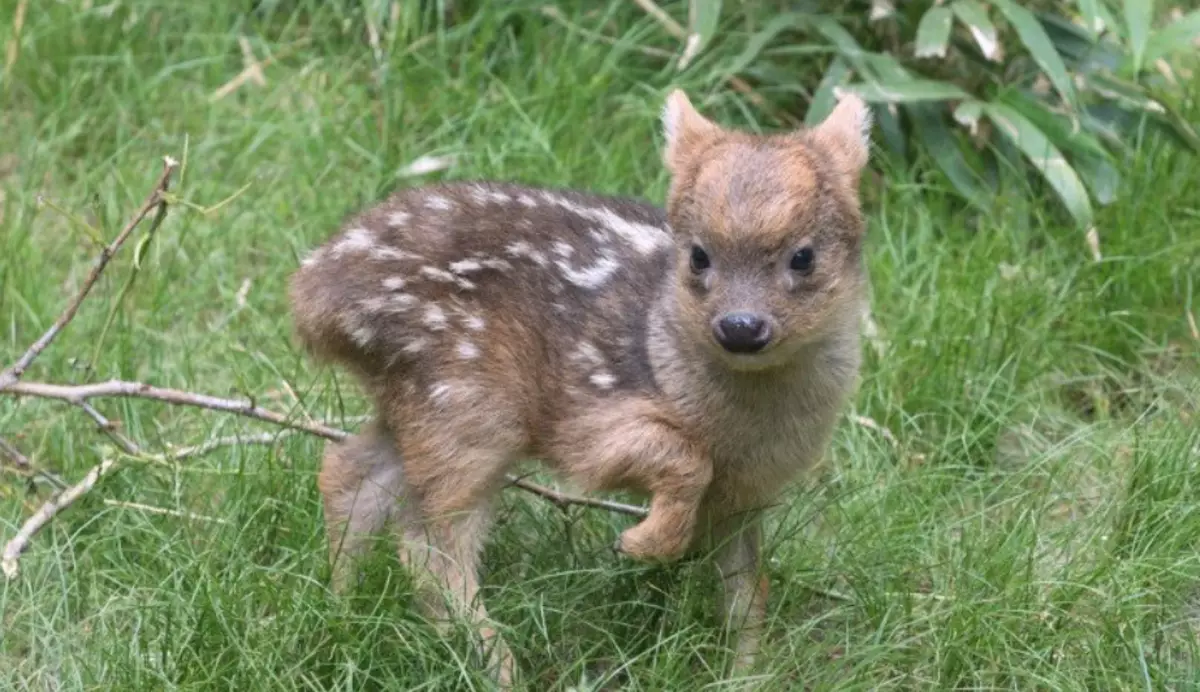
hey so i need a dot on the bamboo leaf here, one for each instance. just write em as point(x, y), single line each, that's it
point(1101, 177)
point(1137, 23)
point(1096, 17)
point(946, 152)
point(975, 17)
point(1040, 47)
point(1175, 37)
point(1045, 157)
point(907, 91)
point(933, 32)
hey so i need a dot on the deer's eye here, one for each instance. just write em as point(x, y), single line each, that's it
point(699, 259)
point(803, 260)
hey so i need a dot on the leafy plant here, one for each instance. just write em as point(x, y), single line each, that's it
point(1061, 87)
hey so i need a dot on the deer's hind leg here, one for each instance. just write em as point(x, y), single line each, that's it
point(457, 446)
point(361, 483)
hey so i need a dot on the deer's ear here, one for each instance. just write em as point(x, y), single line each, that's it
point(684, 128)
point(846, 135)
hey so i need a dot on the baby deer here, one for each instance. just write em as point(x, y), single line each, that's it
point(700, 354)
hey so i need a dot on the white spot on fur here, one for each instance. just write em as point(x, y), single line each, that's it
point(527, 200)
point(402, 301)
point(467, 350)
point(398, 218)
point(383, 253)
point(434, 317)
point(643, 237)
point(497, 264)
point(439, 203)
point(362, 335)
point(603, 379)
point(482, 195)
point(563, 249)
point(440, 393)
point(313, 257)
point(593, 276)
point(394, 303)
point(465, 266)
point(394, 283)
point(437, 274)
point(474, 322)
point(464, 284)
point(416, 345)
point(354, 240)
point(522, 248)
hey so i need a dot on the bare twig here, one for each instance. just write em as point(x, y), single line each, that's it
point(163, 510)
point(75, 394)
point(11, 374)
point(563, 500)
point(79, 395)
point(14, 455)
point(18, 544)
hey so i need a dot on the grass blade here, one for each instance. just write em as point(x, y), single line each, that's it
point(933, 32)
point(759, 40)
point(908, 91)
point(823, 99)
point(1137, 23)
point(703, 17)
point(1040, 47)
point(1174, 37)
point(975, 17)
point(1045, 157)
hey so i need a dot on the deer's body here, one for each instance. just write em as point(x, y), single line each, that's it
point(696, 353)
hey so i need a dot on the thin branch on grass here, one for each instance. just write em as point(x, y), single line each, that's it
point(79, 395)
point(13, 373)
point(563, 500)
point(163, 510)
point(14, 455)
point(74, 394)
point(39, 519)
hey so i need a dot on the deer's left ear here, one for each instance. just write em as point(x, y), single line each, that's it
point(683, 128)
point(846, 135)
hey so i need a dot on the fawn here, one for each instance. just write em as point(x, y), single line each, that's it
point(700, 354)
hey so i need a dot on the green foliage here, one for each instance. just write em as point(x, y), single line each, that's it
point(979, 87)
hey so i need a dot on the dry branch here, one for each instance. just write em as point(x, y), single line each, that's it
point(13, 373)
point(79, 395)
point(14, 455)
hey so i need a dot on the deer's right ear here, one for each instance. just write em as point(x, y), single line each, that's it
point(684, 128)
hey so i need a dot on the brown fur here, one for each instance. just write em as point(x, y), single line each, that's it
point(494, 322)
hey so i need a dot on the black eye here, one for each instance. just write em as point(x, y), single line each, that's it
point(700, 260)
point(802, 261)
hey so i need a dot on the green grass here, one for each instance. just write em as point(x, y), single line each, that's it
point(1038, 526)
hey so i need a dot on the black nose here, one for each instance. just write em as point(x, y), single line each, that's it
point(742, 332)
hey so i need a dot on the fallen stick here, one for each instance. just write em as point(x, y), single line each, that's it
point(11, 374)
